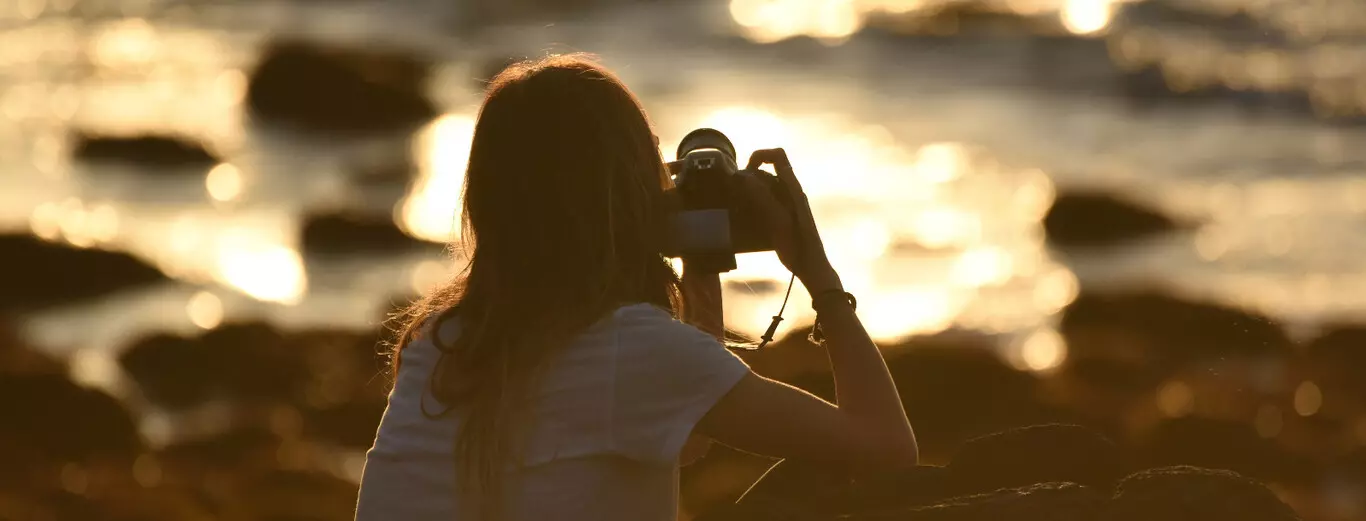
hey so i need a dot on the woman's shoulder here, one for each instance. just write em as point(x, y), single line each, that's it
point(654, 325)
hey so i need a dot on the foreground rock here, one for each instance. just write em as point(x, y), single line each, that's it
point(339, 89)
point(1041, 502)
point(1195, 494)
point(39, 274)
point(1038, 454)
point(149, 150)
point(1093, 219)
point(338, 233)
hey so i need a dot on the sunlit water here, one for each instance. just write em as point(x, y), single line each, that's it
point(929, 172)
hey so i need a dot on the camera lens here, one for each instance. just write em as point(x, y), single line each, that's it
point(705, 138)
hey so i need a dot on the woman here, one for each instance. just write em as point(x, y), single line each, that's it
point(552, 380)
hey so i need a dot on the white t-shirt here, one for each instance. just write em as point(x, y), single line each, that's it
point(612, 412)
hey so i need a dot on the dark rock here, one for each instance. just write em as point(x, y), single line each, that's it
point(953, 389)
point(336, 380)
point(1094, 219)
point(239, 447)
point(346, 392)
point(1195, 494)
point(259, 363)
point(338, 89)
point(298, 495)
point(1149, 329)
point(1039, 454)
point(40, 274)
point(1042, 502)
point(56, 420)
point(150, 150)
point(172, 371)
point(340, 233)
point(251, 362)
point(1335, 359)
point(1222, 444)
point(955, 393)
point(17, 357)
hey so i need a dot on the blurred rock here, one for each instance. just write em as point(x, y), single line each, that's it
point(173, 372)
point(1148, 329)
point(1039, 454)
point(347, 389)
point(237, 449)
point(1041, 502)
point(17, 357)
point(297, 495)
point(149, 150)
point(954, 388)
point(1222, 444)
point(54, 419)
point(955, 393)
point(335, 379)
point(1336, 359)
point(347, 233)
point(40, 274)
point(339, 89)
point(1093, 219)
point(1195, 494)
point(244, 361)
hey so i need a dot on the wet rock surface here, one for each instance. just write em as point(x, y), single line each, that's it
point(39, 274)
point(1083, 220)
point(1195, 494)
point(339, 89)
point(144, 150)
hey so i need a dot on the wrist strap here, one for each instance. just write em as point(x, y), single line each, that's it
point(823, 299)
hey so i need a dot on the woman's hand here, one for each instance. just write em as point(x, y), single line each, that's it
point(787, 214)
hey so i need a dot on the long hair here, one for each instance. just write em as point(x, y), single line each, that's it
point(563, 222)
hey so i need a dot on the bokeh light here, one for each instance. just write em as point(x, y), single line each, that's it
point(205, 310)
point(1308, 399)
point(223, 182)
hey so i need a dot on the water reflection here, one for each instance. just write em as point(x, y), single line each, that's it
point(1086, 16)
point(263, 270)
point(432, 209)
point(834, 21)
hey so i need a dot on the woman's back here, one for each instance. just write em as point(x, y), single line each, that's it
point(611, 411)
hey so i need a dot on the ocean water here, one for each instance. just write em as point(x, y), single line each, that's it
point(930, 162)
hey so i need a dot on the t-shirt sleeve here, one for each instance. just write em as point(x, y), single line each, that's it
point(668, 375)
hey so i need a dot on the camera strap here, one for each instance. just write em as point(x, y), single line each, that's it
point(773, 326)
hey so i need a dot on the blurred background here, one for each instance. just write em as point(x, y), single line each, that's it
point(1147, 217)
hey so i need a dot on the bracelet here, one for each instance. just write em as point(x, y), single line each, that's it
point(819, 301)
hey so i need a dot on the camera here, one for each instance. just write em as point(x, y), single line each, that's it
point(712, 222)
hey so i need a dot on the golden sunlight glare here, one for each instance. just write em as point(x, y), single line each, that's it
point(1086, 16)
point(264, 271)
point(432, 207)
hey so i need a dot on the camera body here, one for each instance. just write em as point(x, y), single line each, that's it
point(712, 223)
